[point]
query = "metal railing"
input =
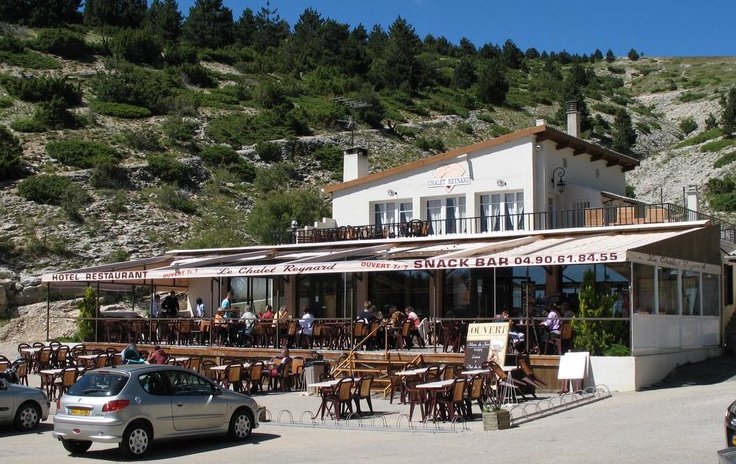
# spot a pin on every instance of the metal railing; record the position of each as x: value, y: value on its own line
x: 506, y: 222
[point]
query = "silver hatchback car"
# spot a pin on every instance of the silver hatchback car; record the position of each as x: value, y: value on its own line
x: 22, y: 406
x: 134, y: 404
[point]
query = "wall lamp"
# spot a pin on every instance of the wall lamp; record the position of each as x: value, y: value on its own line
x: 391, y: 192
x: 559, y: 172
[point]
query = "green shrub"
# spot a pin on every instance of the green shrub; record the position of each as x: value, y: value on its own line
x: 134, y: 86
x: 11, y: 151
x: 219, y: 155
x: 273, y: 179
x: 617, y: 349
x: 269, y: 152
x: 726, y: 159
x: 61, y: 42
x: 616, y: 70
x: 46, y: 189
x: 109, y: 176
x: 606, y: 108
x: 406, y: 131
x: 11, y: 44
x: 27, y: 125
x: 243, y: 170
x: 723, y: 201
x: 691, y: 96
x: 55, y: 115
x: 171, y: 197
x: 166, y: 167
x: 700, y: 138
x: 237, y: 130
x: 330, y: 158
x: 119, y: 110
x: 430, y: 143
x: 6, y: 102
x: 82, y: 153
x: 718, y: 145
x: 688, y: 125
x: 29, y: 59
x: 465, y: 128
x: 87, y: 312
x: 136, y: 46
x: 179, y: 129
x: 44, y: 89
x: 195, y: 74
x: 142, y: 140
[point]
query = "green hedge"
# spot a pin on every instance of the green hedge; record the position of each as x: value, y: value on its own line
x: 82, y: 153
x: 46, y: 189
x: 119, y: 110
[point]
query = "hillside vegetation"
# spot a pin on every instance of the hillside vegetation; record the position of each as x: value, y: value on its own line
x: 125, y: 132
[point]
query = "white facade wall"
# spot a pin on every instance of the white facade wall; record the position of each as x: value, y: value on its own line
x: 521, y: 165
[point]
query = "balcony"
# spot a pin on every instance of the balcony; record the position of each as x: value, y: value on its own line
x: 532, y: 222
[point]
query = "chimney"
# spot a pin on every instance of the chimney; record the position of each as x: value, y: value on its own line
x: 355, y: 163
x: 691, y: 198
x: 573, y: 119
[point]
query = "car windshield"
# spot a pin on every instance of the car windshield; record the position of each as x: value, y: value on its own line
x: 101, y: 383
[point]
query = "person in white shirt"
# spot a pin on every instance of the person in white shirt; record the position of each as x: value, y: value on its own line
x: 199, y: 309
x: 156, y: 306
x: 306, y: 323
x: 248, y: 318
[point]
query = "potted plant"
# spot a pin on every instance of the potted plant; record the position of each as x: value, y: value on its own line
x: 495, y: 417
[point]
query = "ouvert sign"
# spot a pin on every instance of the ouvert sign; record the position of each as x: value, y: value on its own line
x: 486, y: 342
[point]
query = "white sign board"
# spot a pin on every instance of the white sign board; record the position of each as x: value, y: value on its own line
x: 573, y: 366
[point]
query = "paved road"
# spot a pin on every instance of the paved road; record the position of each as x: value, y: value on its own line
x: 679, y: 421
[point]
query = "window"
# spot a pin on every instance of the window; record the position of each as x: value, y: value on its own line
x: 711, y: 294
x: 153, y: 383
x: 668, y: 300
x: 447, y: 215
x: 502, y: 211
x: 392, y: 212
x: 186, y: 383
x: 690, y: 293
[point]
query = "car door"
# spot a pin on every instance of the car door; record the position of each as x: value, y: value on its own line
x: 158, y: 402
x: 195, y: 404
x: 7, y: 410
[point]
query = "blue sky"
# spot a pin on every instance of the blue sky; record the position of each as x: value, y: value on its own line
x: 654, y: 27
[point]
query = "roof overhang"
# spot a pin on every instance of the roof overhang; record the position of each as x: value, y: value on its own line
x: 609, y: 245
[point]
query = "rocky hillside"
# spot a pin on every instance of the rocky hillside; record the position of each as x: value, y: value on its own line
x: 134, y: 221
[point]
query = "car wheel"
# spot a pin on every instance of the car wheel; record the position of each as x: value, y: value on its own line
x: 241, y: 424
x: 76, y: 446
x: 136, y: 440
x: 28, y: 416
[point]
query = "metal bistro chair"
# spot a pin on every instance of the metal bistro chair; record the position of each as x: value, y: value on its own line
x: 363, y: 392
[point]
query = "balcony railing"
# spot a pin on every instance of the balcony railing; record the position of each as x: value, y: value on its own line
x: 506, y: 222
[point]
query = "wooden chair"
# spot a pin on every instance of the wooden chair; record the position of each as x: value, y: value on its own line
x: 61, y: 356
x: 43, y: 359
x: 336, y: 401
x: 101, y: 360
x: 396, y: 383
x: 254, y: 379
x: 360, y: 330
x: 475, y: 391
x: 559, y: 342
x: 21, y: 370
x: 432, y: 374
x: 416, y: 397
x: 363, y: 392
x: 74, y: 354
x: 280, y: 377
x: 404, y: 338
x: 297, y: 373
x: 66, y: 379
x: 195, y: 363
x: 448, y: 372
x: 453, y: 400
x: 206, y: 370
x: 234, y: 377
x: 529, y: 376
x: 506, y: 386
x: 21, y: 347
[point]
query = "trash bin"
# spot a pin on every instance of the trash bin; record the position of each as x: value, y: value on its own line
x: 312, y: 372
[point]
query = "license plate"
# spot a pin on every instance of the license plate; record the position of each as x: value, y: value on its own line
x: 78, y: 412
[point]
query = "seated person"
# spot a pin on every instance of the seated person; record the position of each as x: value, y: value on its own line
x: 132, y: 355
x: 158, y: 356
x: 245, y: 333
x: 516, y: 338
x: 552, y: 325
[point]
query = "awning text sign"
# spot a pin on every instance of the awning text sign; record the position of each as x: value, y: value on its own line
x: 264, y: 270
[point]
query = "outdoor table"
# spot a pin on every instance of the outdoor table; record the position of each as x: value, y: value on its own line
x: 220, y: 370
x: 433, y: 388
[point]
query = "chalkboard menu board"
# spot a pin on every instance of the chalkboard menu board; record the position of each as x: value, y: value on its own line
x: 486, y: 342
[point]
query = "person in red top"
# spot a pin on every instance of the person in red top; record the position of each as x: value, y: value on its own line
x: 158, y: 356
x: 268, y: 313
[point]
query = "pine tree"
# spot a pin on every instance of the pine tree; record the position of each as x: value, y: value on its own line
x: 11, y: 162
x: 610, y: 57
x: 597, y: 55
x: 120, y: 13
x: 209, y: 24
x: 164, y: 20
x: 399, y: 66
x: 633, y: 55
x: 728, y: 118
x: 493, y: 83
x: 623, y: 134
x: 512, y: 56
x: 464, y: 74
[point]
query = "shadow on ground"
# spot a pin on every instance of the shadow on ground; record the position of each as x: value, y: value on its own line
x: 708, y: 372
